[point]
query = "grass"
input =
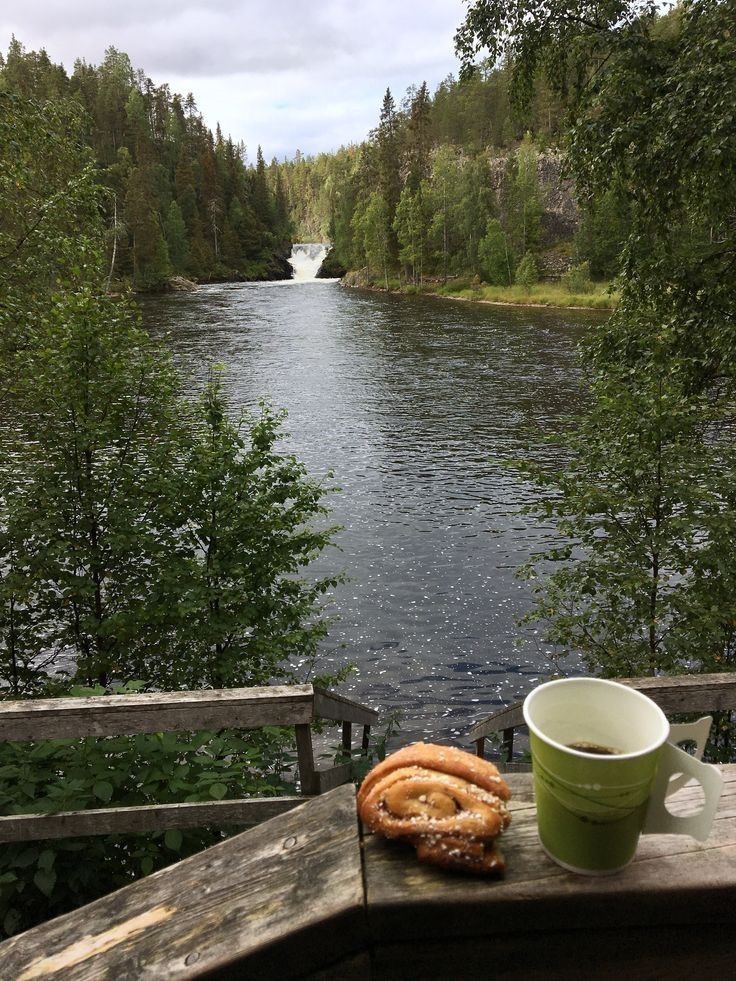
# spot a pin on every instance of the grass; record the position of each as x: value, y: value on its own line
x: 543, y: 294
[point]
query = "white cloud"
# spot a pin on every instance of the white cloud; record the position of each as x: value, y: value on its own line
x: 281, y: 73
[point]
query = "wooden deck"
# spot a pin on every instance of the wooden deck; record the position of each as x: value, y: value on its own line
x: 306, y: 895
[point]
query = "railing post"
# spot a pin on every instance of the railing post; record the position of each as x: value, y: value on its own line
x: 366, y: 740
x: 480, y: 747
x: 347, y: 738
x: 305, y: 754
x: 507, y: 744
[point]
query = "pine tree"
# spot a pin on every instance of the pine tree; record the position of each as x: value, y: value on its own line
x: 418, y: 138
x: 175, y: 231
x: 151, y: 267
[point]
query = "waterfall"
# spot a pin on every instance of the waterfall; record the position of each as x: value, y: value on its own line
x: 306, y: 258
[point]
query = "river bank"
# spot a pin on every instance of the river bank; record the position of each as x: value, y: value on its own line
x: 541, y: 295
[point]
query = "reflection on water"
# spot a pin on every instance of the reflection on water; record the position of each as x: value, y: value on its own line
x: 414, y: 404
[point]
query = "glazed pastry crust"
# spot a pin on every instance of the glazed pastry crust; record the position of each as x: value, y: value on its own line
x: 448, y: 804
x: 444, y: 759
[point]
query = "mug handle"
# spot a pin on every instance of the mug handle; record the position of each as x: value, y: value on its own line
x: 696, y: 732
x: 658, y: 819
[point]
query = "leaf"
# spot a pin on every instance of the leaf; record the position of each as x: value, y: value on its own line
x: 103, y: 789
x: 26, y: 858
x: 46, y: 859
x: 218, y: 790
x: 11, y: 923
x: 173, y: 839
x: 45, y: 880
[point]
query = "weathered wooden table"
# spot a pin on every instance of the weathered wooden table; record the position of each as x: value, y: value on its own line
x: 305, y: 894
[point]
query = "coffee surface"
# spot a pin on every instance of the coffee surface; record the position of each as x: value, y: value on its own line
x: 595, y: 748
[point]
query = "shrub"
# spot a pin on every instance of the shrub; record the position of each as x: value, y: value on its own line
x: 577, y: 279
x: 527, y: 273
x: 42, y: 879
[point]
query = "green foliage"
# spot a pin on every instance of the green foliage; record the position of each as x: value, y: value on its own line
x: 603, y: 230
x: 372, y: 229
x: 495, y: 256
x: 524, y: 201
x: 140, y: 537
x: 42, y: 879
x: 410, y: 225
x: 444, y: 150
x: 245, y: 518
x: 443, y: 193
x: 630, y: 585
x: 527, y: 273
x: 94, y: 436
x: 645, y: 508
x: 161, y: 165
x: 577, y: 279
x: 175, y: 232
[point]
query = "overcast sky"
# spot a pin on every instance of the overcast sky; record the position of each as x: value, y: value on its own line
x: 287, y: 74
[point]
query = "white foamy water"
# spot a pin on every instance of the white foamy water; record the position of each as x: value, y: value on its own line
x: 306, y: 258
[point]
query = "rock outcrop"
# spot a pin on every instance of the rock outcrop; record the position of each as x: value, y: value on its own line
x: 178, y: 284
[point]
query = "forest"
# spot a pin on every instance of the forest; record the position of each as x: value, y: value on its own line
x: 460, y: 183
x: 178, y: 200
x: 455, y: 183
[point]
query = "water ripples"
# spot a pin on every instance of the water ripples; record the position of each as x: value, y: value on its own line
x: 414, y: 404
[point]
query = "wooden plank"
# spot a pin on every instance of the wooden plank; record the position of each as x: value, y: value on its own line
x: 286, y: 899
x: 153, y: 817
x: 281, y: 900
x: 305, y: 756
x: 328, y: 705
x: 118, y: 715
x: 507, y: 718
x: 347, y: 737
x: 679, y: 693
x: 690, y: 692
x: 334, y: 777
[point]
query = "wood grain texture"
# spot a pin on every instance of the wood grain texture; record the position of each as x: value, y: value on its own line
x: 683, y: 693
x: 281, y: 900
x: 333, y: 777
x: 328, y: 705
x: 286, y: 900
x: 672, y: 880
x: 153, y: 817
x: 124, y: 715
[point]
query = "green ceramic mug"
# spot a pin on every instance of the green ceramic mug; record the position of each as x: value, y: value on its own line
x: 602, y: 768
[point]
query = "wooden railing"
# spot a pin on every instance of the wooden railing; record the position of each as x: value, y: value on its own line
x: 124, y: 715
x: 678, y: 694
x: 307, y: 896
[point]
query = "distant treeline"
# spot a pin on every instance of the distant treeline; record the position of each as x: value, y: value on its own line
x: 450, y: 184
x: 181, y: 200
x: 446, y: 184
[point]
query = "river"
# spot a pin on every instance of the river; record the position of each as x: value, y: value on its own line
x: 414, y: 403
